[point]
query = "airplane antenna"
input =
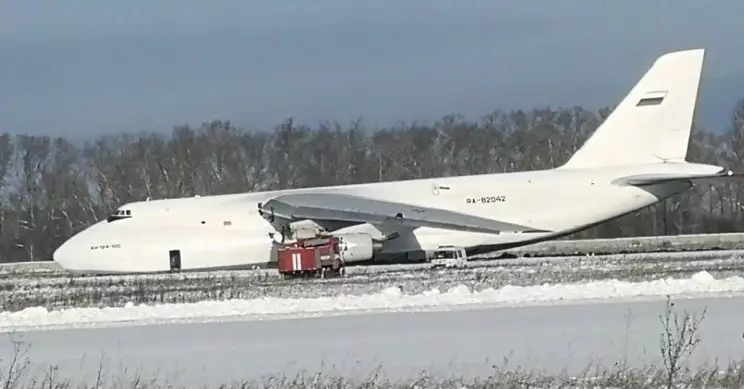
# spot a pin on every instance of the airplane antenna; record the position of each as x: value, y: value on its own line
x: 664, y: 160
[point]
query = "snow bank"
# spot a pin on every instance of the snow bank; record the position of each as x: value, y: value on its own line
x: 389, y: 299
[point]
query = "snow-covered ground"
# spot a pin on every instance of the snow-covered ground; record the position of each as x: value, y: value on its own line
x: 54, y: 293
x: 390, y: 299
x: 544, y: 310
x: 549, y: 338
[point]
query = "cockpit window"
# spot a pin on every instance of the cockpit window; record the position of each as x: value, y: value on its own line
x: 120, y: 214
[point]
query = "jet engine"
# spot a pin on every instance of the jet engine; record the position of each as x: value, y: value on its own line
x: 354, y: 247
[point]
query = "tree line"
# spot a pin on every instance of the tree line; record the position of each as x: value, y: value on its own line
x: 51, y: 188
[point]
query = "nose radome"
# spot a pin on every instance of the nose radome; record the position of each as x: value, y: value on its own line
x: 64, y: 255
x: 75, y: 251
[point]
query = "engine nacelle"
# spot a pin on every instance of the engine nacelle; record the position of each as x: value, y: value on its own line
x: 356, y: 247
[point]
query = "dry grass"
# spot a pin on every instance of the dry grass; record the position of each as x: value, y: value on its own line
x: 617, y: 376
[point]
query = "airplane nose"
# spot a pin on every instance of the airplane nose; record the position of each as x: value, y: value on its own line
x: 70, y: 254
x: 74, y: 255
x: 63, y: 255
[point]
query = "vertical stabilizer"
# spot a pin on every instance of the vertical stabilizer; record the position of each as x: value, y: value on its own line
x: 652, y: 124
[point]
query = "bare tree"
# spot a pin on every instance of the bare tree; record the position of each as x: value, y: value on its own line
x: 18, y: 362
x: 678, y: 340
x: 50, y: 189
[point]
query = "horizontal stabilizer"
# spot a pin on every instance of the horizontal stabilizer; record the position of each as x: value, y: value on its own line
x: 330, y: 207
x: 657, y: 178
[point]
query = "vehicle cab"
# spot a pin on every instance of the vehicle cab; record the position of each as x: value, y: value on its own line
x: 449, y: 256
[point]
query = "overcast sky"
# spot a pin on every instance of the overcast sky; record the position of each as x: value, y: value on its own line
x: 84, y: 68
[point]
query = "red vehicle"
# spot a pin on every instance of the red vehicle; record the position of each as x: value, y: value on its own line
x: 310, y: 257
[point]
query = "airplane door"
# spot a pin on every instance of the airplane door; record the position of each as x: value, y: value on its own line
x: 175, y: 260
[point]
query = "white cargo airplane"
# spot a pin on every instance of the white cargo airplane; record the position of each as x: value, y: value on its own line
x: 634, y: 159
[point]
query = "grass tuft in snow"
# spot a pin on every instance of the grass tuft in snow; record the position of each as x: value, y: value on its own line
x: 595, y: 377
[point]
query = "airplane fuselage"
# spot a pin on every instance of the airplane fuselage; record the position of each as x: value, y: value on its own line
x: 226, y: 231
x: 635, y: 158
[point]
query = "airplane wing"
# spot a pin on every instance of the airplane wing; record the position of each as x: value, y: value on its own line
x: 651, y: 179
x: 324, y: 208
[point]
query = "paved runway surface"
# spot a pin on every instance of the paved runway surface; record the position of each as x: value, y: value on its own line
x: 463, y: 341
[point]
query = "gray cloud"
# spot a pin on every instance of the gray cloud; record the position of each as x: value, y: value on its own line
x: 84, y: 68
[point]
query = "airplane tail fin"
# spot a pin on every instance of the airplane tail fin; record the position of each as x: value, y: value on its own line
x: 653, y: 122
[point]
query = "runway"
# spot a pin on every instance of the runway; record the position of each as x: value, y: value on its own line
x: 465, y: 341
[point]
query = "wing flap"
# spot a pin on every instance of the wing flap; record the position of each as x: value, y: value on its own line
x: 355, y: 209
